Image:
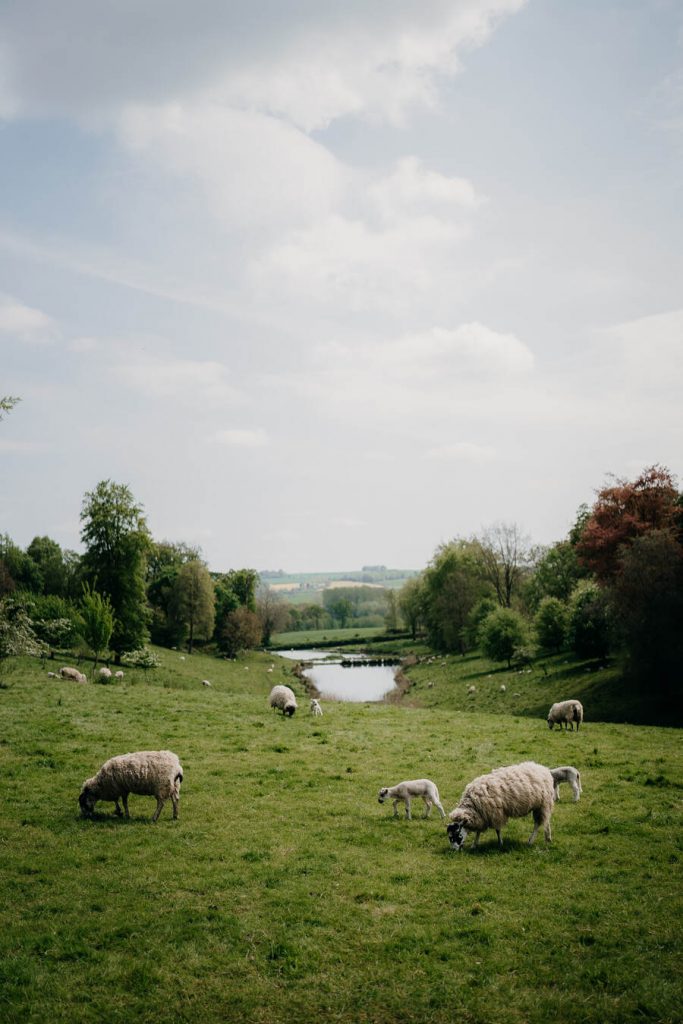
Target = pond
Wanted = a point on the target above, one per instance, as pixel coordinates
(347, 680)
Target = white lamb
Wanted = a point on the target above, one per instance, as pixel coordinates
(315, 707)
(567, 774)
(104, 674)
(567, 711)
(146, 773)
(403, 791)
(512, 792)
(283, 698)
(119, 674)
(72, 673)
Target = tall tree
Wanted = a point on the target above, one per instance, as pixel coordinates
(624, 511)
(555, 574)
(164, 562)
(98, 621)
(271, 612)
(48, 557)
(502, 633)
(411, 604)
(194, 601)
(451, 586)
(503, 553)
(116, 539)
(240, 632)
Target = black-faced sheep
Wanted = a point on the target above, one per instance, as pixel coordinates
(146, 773)
(283, 698)
(489, 801)
(403, 791)
(567, 711)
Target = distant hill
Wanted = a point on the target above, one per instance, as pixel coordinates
(297, 586)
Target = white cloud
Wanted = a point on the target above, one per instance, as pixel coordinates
(462, 451)
(240, 438)
(412, 187)
(159, 377)
(24, 322)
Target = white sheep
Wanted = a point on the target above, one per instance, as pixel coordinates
(567, 711)
(72, 673)
(569, 774)
(503, 687)
(119, 674)
(104, 674)
(403, 791)
(511, 792)
(283, 698)
(52, 675)
(471, 689)
(205, 682)
(146, 773)
(315, 707)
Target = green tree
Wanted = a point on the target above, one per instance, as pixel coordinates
(47, 555)
(340, 609)
(241, 631)
(502, 633)
(17, 637)
(98, 621)
(550, 624)
(164, 562)
(451, 586)
(411, 600)
(56, 621)
(18, 567)
(117, 542)
(194, 602)
(588, 630)
(555, 574)
(391, 615)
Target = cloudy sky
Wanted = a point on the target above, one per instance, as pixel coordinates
(330, 283)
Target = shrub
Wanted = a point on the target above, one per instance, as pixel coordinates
(502, 633)
(550, 624)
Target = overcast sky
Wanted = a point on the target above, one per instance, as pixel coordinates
(329, 282)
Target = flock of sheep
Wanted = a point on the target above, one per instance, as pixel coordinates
(488, 802)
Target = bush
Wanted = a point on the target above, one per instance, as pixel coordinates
(550, 624)
(589, 623)
(144, 658)
(502, 633)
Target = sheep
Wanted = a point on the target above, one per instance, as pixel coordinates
(72, 673)
(283, 698)
(315, 707)
(52, 675)
(511, 792)
(567, 774)
(147, 773)
(403, 791)
(567, 711)
(205, 682)
(471, 689)
(104, 674)
(503, 687)
(119, 674)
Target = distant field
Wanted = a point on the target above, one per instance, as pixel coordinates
(285, 892)
(316, 636)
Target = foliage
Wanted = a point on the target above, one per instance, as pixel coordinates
(19, 570)
(411, 604)
(588, 630)
(271, 612)
(164, 562)
(503, 556)
(452, 584)
(143, 658)
(305, 617)
(502, 633)
(555, 574)
(7, 403)
(647, 599)
(117, 542)
(550, 624)
(17, 636)
(338, 607)
(194, 601)
(391, 614)
(241, 631)
(98, 620)
(478, 613)
(46, 554)
(624, 511)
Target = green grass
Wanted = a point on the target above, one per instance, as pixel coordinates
(285, 892)
(307, 637)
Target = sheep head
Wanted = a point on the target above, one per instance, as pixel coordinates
(457, 833)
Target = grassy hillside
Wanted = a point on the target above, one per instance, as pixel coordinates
(285, 892)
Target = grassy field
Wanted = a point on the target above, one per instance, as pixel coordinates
(285, 892)
(307, 637)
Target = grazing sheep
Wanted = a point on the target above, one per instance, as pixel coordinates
(72, 673)
(205, 682)
(503, 687)
(147, 773)
(315, 707)
(104, 674)
(512, 792)
(52, 675)
(403, 791)
(567, 774)
(119, 674)
(471, 689)
(567, 711)
(283, 698)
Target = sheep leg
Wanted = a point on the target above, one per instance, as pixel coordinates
(476, 840)
(428, 806)
(441, 811)
(408, 808)
(500, 839)
(160, 804)
(174, 800)
(117, 810)
(396, 808)
(124, 798)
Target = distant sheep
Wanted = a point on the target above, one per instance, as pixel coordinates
(315, 707)
(72, 673)
(146, 773)
(567, 711)
(404, 791)
(471, 689)
(503, 687)
(119, 674)
(283, 698)
(205, 682)
(489, 801)
(567, 774)
(104, 674)
(53, 675)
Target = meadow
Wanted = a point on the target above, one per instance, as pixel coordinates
(285, 892)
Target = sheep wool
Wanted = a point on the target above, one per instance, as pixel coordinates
(283, 698)
(72, 673)
(567, 711)
(489, 801)
(146, 773)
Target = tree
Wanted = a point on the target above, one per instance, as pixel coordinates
(241, 631)
(411, 604)
(164, 562)
(98, 621)
(117, 543)
(502, 633)
(271, 612)
(46, 554)
(624, 511)
(340, 608)
(503, 553)
(391, 616)
(556, 573)
(481, 610)
(234, 589)
(22, 570)
(55, 620)
(194, 601)
(588, 630)
(7, 403)
(452, 584)
(550, 624)
(16, 631)
(647, 598)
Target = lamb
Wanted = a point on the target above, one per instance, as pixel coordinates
(72, 673)
(104, 674)
(511, 792)
(283, 698)
(567, 711)
(205, 682)
(119, 674)
(567, 774)
(403, 791)
(147, 773)
(315, 707)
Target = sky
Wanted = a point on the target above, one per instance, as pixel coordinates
(328, 284)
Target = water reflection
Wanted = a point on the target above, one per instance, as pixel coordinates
(335, 681)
